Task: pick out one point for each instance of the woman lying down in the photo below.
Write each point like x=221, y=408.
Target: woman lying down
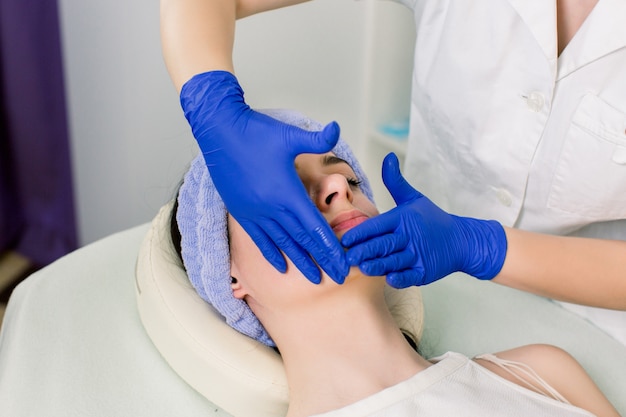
x=343, y=353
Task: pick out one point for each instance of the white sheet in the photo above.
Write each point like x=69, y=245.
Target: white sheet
x=72, y=343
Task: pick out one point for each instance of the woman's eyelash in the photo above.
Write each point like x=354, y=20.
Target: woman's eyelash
x=354, y=182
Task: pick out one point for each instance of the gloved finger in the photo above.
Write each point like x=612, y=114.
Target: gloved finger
x=266, y=245
x=406, y=278
x=378, y=247
x=382, y=266
x=336, y=266
x=376, y=226
x=312, y=232
x=303, y=141
x=400, y=189
x=325, y=247
x=294, y=251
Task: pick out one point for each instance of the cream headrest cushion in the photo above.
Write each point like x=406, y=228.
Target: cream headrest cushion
x=238, y=374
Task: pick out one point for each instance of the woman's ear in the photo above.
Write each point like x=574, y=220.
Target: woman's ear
x=238, y=290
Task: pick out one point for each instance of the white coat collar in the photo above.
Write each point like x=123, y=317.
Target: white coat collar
x=603, y=32
x=540, y=18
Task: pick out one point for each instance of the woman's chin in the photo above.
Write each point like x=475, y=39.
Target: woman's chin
x=356, y=273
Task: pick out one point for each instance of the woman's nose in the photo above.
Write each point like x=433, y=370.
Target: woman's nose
x=333, y=188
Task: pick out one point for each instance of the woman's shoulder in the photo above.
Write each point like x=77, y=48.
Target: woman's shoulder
x=550, y=371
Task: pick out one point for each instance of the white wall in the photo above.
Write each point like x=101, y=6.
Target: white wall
x=130, y=141
x=310, y=57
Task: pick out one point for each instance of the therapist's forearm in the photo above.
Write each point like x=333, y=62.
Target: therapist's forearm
x=198, y=35
x=578, y=270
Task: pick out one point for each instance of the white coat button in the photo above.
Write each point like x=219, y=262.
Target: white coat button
x=504, y=197
x=619, y=155
x=535, y=101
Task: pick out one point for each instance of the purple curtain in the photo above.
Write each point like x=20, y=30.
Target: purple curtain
x=36, y=199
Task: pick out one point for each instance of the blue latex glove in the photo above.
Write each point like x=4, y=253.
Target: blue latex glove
x=251, y=160
x=417, y=243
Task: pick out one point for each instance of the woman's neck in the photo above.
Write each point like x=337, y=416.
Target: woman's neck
x=338, y=353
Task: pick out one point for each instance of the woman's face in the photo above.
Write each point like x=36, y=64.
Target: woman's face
x=334, y=189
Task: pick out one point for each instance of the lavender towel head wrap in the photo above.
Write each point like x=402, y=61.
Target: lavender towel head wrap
x=205, y=248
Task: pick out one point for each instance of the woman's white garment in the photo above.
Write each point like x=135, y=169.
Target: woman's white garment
x=503, y=128
x=457, y=386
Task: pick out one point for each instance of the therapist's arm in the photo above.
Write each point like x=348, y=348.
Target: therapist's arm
x=198, y=35
x=197, y=42
x=579, y=270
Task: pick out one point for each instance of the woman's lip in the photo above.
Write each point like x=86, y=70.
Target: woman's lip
x=347, y=221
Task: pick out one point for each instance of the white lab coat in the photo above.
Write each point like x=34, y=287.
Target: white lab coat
x=503, y=128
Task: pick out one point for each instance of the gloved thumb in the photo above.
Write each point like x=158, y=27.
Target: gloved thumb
x=303, y=141
x=400, y=189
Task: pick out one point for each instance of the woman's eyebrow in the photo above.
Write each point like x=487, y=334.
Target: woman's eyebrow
x=329, y=160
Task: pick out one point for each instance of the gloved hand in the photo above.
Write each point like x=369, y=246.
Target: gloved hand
x=417, y=243
x=251, y=160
